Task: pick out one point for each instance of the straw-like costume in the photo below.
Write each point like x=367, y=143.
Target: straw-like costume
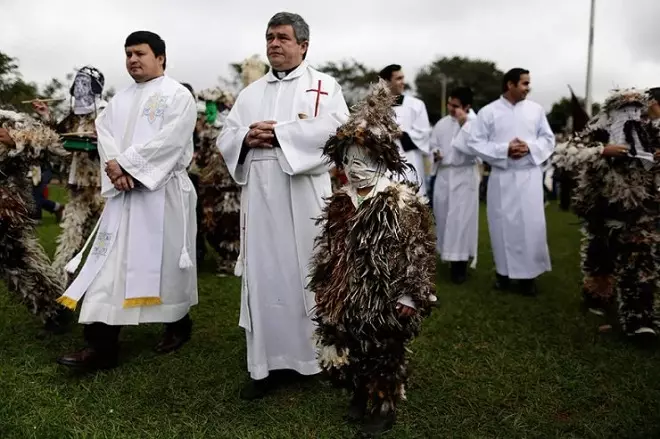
x=376, y=253
x=85, y=202
x=219, y=195
x=619, y=202
x=24, y=265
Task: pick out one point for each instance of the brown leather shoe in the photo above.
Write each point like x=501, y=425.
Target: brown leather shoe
x=89, y=359
x=171, y=342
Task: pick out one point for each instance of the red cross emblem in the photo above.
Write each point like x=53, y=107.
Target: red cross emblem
x=319, y=92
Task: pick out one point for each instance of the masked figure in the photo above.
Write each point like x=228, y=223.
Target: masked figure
x=373, y=268
x=618, y=200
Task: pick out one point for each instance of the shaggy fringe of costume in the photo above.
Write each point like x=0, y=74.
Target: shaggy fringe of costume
x=364, y=261
x=372, y=125
x=85, y=202
x=24, y=264
x=619, y=202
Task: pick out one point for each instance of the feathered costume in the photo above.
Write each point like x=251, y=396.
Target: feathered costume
x=619, y=202
x=372, y=253
x=219, y=195
x=24, y=265
x=85, y=203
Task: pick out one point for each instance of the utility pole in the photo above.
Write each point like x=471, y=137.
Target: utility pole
x=590, y=58
x=443, y=94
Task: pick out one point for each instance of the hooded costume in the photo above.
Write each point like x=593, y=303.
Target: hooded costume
x=375, y=254
x=24, y=265
x=619, y=202
x=85, y=202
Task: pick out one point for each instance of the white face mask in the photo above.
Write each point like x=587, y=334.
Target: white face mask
x=83, y=95
x=360, y=169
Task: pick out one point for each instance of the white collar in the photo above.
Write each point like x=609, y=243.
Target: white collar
x=297, y=72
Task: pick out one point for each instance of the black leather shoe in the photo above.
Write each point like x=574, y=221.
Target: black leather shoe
x=89, y=359
x=528, y=287
x=176, y=335
x=256, y=389
x=502, y=283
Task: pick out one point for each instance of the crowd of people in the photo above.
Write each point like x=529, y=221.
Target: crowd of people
x=324, y=212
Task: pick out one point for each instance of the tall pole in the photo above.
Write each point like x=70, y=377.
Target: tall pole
x=590, y=61
x=443, y=95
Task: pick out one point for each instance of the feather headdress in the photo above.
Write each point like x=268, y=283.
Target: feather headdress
x=216, y=95
x=252, y=69
x=372, y=125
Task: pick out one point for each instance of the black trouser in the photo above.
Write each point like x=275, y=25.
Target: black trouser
x=565, y=190
x=38, y=194
x=458, y=269
x=105, y=338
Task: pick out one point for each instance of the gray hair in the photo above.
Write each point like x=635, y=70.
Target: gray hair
x=300, y=27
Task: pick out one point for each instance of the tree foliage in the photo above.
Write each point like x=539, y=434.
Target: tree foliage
x=561, y=113
x=353, y=76
x=482, y=76
x=13, y=89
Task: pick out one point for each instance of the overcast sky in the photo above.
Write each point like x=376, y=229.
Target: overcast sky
x=51, y=37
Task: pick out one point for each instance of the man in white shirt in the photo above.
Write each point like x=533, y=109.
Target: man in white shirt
x=512, y=134
x=140, y=269
x=272, y=143
x=414, y=122
x=456, y=188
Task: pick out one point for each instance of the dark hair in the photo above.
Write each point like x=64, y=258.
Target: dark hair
x=299, y=25
x=463, y=94
x=654, y=93
x=512, y=75
x=154, y=42
x=189, y=87
x=388, y=71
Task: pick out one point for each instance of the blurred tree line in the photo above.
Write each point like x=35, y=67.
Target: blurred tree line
x=482, y=76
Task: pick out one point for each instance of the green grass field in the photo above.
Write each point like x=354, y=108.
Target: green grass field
x=488, y=365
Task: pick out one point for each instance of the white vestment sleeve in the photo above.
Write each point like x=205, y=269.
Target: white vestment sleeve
x=302, y=140
x=542, y=148
x=420, y=130
x=151, y=163
x=460, y=140
x=479, y=143
x=230, y=142
x=107, y=149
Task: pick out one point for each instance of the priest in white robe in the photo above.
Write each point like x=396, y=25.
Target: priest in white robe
x=413, y=119
x=139, y=268
x=456, y=188
x=512, y=134
x=272, y=142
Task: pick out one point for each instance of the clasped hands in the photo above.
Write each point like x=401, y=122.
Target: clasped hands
x=261, y=134
x=518, y=149
x=120, y=180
